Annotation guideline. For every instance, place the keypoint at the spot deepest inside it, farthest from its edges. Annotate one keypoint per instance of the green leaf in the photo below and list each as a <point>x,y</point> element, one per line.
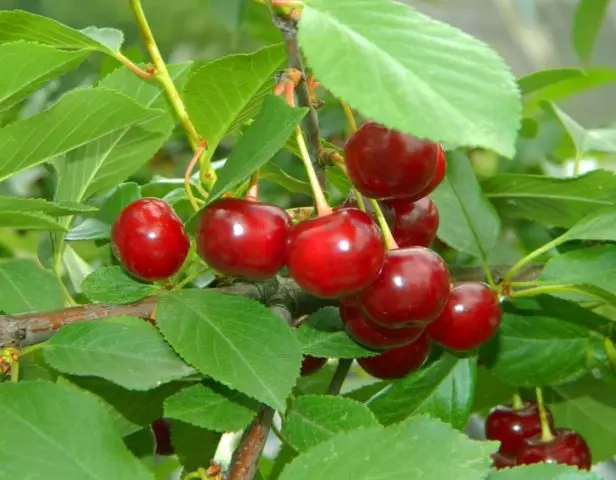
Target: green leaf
<point>552,201</point>
<point>124,350</point>
<point>259,143</point>
<point>445,390</point>
<point>490,391</point>
<point>600,225</point>
<point>468,222</point>
<point>223,336</point>
<point>28,221</point>
<point>211,406</point>
<point>365,393</point>
<point>194,446</point>
<point>108,37</point>
<point>73,434</point>
<point>222,95</point>
<point>114,285</point>
<point>322,335</point>
<point>372,39</point>
<point>25,287</point>
<point>89,229</point>
<point>282,178</point>
<point>316,418</point>
<point>587,21</point>
<point>544,78</point>
<point>58,209</point>
<point>420,448</point>
<point>28,66</point>
<point>543,471</point>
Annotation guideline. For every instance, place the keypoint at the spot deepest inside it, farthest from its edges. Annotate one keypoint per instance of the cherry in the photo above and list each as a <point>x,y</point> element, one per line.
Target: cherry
<point>500,461</point>
<point>415,223</point>
<point>384,163</point>
<point>241,238</point>
<point>335,255</point>
<point>511,426</point>
<point>439,175</point>
<point>149,239</point>
<point>371,335</point>
<point>412,288</point>
<point>470,319</point>
<point>397,362</point>
<point>162,437</point>
<point>311,364</point>
<point>567,447</point>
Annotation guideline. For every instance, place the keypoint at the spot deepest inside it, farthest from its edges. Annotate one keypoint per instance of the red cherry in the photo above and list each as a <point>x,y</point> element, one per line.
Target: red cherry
<point>470,319</point>
<point>511,426</point>
<point>416,223</point>
<point>567,447</point>
<point>311,364</point>
<point>412,288</point>
<point>397,362</point>
<point>439,175</point>
<point>384,163</point>
<point>241,238</point>
<point>371,335</point>
<point>500,461</point>
<point>149,239</point>
<point>162,437</point>
<point>337,254</point>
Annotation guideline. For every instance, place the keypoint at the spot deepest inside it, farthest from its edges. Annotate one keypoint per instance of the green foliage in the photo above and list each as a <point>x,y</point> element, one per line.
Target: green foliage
<point>589,16</point>
<point>114,285</point>
<point>542,472</point>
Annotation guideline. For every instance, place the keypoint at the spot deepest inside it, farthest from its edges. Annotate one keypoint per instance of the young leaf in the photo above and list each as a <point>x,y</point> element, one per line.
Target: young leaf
<point>259,143</point>
<point>73,434</point>
<point>124,350</point>
<point>445,390</point>
<point>211,406</point>
<point>544,78</point>
<point>25,287</point>
<point>468,222</point>
<point>587,21</point>
<point>316,418</point>
<point>58,209</point>
<point>543,471</point>
<point>375,54</point>
<point>224,336</point>
<point>111,284</point>
<point>29,221</point>
<point>414,449</point>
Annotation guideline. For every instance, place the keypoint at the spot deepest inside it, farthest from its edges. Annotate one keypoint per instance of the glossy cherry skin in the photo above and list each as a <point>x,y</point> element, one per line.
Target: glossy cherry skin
<point>149,239</point>
<point>335,255</point>
<point>412,288</point>
<point>567,447</point>
<point>472,316</point>
<point>162,437</point>
<point>500,461</point>
<point>384,163</point>
<point>312,364</point>
<point>397,362</point>
<point>511,426</point>
<point>439,175</point>
<point>240,238</point>
<point>415,223</point>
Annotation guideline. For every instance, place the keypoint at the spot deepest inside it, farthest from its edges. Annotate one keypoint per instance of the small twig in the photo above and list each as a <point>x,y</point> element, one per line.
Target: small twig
<point>342,370</point>
<point>188,174</point>
<point>145,74</point>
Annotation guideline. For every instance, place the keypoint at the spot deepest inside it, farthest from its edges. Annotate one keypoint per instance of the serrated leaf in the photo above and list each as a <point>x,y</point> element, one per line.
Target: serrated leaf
<point>108,37</point>
<point>322,335</point>
<point>420,448</point>
<point>600,225</point>
<point>543,471</point>
<point>28,66</point>
<point>58,209</point>
<point>25,287</point>
<point>211,406</point>
<point>124,350</point>
<point>113,285</point>
<point>223,335</point>
<point>29,221</point>
<point>89,229</point>
<point>221,95</point>
<point>316,418</point>
<point>73,434</point>
<point>259,143</point>
<point>468,222</point>
<point>445,390</point>
<point>589,15</point>
<point>372,39</point>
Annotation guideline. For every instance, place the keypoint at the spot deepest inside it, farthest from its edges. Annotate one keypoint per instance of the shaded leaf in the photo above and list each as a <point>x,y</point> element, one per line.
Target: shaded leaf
<point>25,287</point>
<point>589,15</point>
<point>194,446</point>
<point>113,285</point>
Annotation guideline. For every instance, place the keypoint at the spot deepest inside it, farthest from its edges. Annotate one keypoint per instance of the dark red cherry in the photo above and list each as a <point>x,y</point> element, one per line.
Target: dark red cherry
<point>311,364</point>
<point>149,239</point>
<point>240,238</point>
<point>384,163</point>
<point>439,175</point>
<point>335,255</point>
<point>397,362</point>
<point>567,447</point>
<point>162,437</point>
<point>470,319</point>
<point>500,461</point>
<point>415,223</point>
<point>510,426</point>
<point>412,288</point>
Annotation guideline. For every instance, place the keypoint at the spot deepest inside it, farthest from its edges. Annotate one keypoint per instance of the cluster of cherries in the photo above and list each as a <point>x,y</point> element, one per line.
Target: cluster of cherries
<point>523,441</point>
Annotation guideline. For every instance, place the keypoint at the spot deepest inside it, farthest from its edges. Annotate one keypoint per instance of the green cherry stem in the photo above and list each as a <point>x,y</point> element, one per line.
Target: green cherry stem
<point>348,113</point>
<point>252,194</point>
<point>188,173</point>
<point>390,242</point>
<point>532,255</point>
<point>546,431</point>
<point>323,207</point>
<point>516,401</point>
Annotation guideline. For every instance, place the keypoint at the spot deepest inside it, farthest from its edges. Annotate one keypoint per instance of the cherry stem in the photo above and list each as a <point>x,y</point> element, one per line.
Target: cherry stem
<point>323,207</point>
<point>546,431</point>
<point>132,66</point>
<point>338,161</point>
<point>188,173</point>
<point>342,370</point>
<point>15,371</point>
<point>252,194</point>
<point>390,242</point>
<point>517,401</point>
<point>348,113</point>
<point>532,255</point>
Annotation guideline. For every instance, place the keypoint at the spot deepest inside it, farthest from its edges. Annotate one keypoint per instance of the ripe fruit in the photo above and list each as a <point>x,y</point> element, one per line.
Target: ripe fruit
<point>567,447</point>
<point>149,239</point>
<point>397,362</point>
<point>311,364</point>
<point>384,163</point>
<point>371,335</point>
<point>337,254</point>
<point>412,287</point>
<point>439,174</point>
<point>511,426</point>
<point>500,461</point>
<point>162,437</point>
<point>243,239</point>
<point>470,319</point>
<point>415,223</point>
